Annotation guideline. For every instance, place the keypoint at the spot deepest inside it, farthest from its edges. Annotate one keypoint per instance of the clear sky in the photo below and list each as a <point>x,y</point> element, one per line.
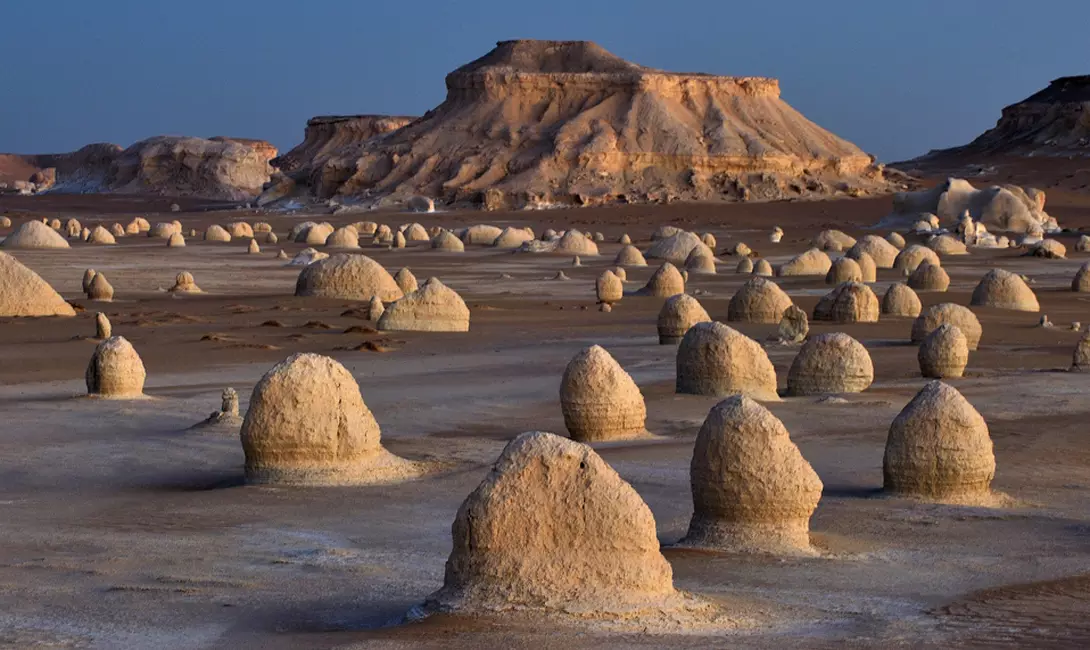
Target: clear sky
<point>895,78</point>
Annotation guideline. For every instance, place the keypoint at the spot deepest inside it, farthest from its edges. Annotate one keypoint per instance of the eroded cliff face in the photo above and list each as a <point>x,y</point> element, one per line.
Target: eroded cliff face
<point>566,122</point>
<point>327,136</point>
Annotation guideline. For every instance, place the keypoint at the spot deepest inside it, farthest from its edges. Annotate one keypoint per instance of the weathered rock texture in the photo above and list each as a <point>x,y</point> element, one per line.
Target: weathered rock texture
<point>944,353</point>
<point>115,370</point>
<point>678,314</point>
<point>24,293</point>
<point>599,400</point>
<point>308,425</point>
<point>1004,290</point>
<point>554,529</point>
<point>948,312</point>
<point>666,281</point>
<point>830,363</point>
<point>566,122</point>
<point>34,234</point>
<point>901,300</point>
<point>351,277</point>
<point>939,449</point>
<point>717,360</point>
<point>432,308</point>
<point>758,301</point>
<point>752,489</point>
<point>1000,207</point>
<point>851,302</point>
<point>332,139</point>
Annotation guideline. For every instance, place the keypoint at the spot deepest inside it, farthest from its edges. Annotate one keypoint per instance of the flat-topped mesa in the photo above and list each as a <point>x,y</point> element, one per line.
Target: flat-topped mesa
<point>326,135</point>
<point>566,122</point>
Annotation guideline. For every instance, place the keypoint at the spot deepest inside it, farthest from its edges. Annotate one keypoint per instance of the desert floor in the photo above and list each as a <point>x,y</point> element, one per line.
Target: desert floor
<point>119,528</point>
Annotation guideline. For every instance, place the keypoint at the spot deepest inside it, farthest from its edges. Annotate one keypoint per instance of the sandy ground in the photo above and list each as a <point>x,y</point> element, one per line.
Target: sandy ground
<point>121,529</point>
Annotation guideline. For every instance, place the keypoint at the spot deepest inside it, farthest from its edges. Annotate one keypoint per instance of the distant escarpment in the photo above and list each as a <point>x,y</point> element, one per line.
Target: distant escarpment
<point>566,122</point>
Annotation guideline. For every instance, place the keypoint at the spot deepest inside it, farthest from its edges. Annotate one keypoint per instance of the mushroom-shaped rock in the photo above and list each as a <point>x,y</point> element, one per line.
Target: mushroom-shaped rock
<point>914,255</point>
<point>700,261</point>
<point>794,326</point>
<point>844,269</point>
<point>947,245</point>
<point>630,256</point>
<point>574,242</point>
<point>24,293</point>
<point>432,308</point>
<point>100,235</point>
<point>935,315</point>
<point>34,235</point>
<point>1081,281</point>
<point>758,301</point>
<point>678,314</point>
<point>832,240</point>
<point>665,282</point>
<point>1048,249</point>
<point>812,262</point>
<point>599,400</point>
<point>928,277</point>
<point>752,489</point>
<point>744,266</point>
<point>851,302</point>
<point>608,288</point>
<point>405,280</point>
<point>830,363</point>
<point>217,233</point>
<point>343,238</point>
<point>512,238</point>
<point>762,268</point>
<point>100,288</point>
<point>676,248</point>
<point>717,360</point>
<point>881,251</point>
<point>939,449</point>
<point>446,241</point>
<point>185,283</point>
<point>176,240</point>
<point>350,277</point>
<point>514,538</point>
<point>308,425</point>
<point>896,239</point>
<point>944,353</point>
<point>115,370</point>
<point>901,300</point>
<point>481,235</point>
<point>1004,290</point>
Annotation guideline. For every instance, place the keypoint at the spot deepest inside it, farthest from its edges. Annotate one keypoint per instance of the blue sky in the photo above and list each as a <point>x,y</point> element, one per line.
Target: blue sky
<point>895,78</point>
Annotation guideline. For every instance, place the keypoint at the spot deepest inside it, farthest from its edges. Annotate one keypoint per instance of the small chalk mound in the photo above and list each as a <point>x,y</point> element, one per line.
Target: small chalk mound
<point>100,288</point>
<point>608,288</point>
<point>599,399</point>
<point>717,360</point>
<point>794,326</point>
<point>1004,290</point>
<point>666,281</point>
<point>832,240</point>
<point>678,314</point>
<point>753,492</point>
<point>1048,249</point>
<point>345,238</point>
<point>100,235</point>
<point>811,262</point>
<point>939,449</point>
<point>176,240</point>
<point>928,277</point>
<point>185,283</point>
<point>881,251</point>
<point>896,240</point>
<point>308,425</point>
<point>944,353</point>
<point>481,235</point>
<point>948,312</point>
<point>844,269</point>
<point>745,266</point>
<point>405,280</point>
<point>510,238</point>
<point>630,256</point>
<point>103,328</point>
<point>349,277</point>
<point>758,301</point>
<point>901,300</point>
<point>216,232</point>
<point>677,248</point>
<point>446,241</point>
<point>1080,360</point>
<point>34,235</point>
<point>700,261</point>
<point>432,308</point>
<point>830,363</point>
<point>762,268</point>
<point>227,418</point>
<point>909,258</point>
<point>851,302</point>
<point>1081,281</point>
<point>115,370</point>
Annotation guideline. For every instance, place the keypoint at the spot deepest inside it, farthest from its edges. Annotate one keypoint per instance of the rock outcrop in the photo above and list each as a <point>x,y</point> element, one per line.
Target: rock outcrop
<point>717,360</point>
<point>566,122</point>
<point>24,293</point>
<point>599,399</point>
<point>336,138</point>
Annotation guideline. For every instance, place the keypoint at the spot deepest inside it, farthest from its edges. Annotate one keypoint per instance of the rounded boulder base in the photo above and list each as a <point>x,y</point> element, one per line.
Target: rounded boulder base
<point>901,300</point>
<point>405,280</point>
<point>665,282</point>
<point>308,425</point>
<point>446,241</point>
<point>512,238</point>
<point>351,277</point>
<point>1080,360</point>
<point>829,364</point>
<point>759,300</point>
<point>911,257</point>
<point>599,399</point>
<point>719,361</point>
<point>1081,281</point>
<point>432,308</point>
<point>576,243</point>
<point>678,314</point>
<point>851,302</point>
<point>481,235</point>
<point>928,277</point>
<point>608,288</point>
<point>844,269</point>
<point>944,353</point>
<point>185,283</point>
<point>677,248</point>
<point>115,370</point>
<point>794,326</point>
<point>811,262</point>
<point>745,266</point>
<point>34,235</point>
<point>948,312</point>
<point>1004,290</point>
<point>753,492</point>
<point>896,239</point>
<point>881,251</point>
<point>345,238</point>
<point>947,245</point>
<point>939,449</point>
<point>867,267</point>
<point>217,233</point>
<point>630,256</point>
<point>25,293</point>
<point>515,537</point>
<point>832,240</point>
<point>762,268</point>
